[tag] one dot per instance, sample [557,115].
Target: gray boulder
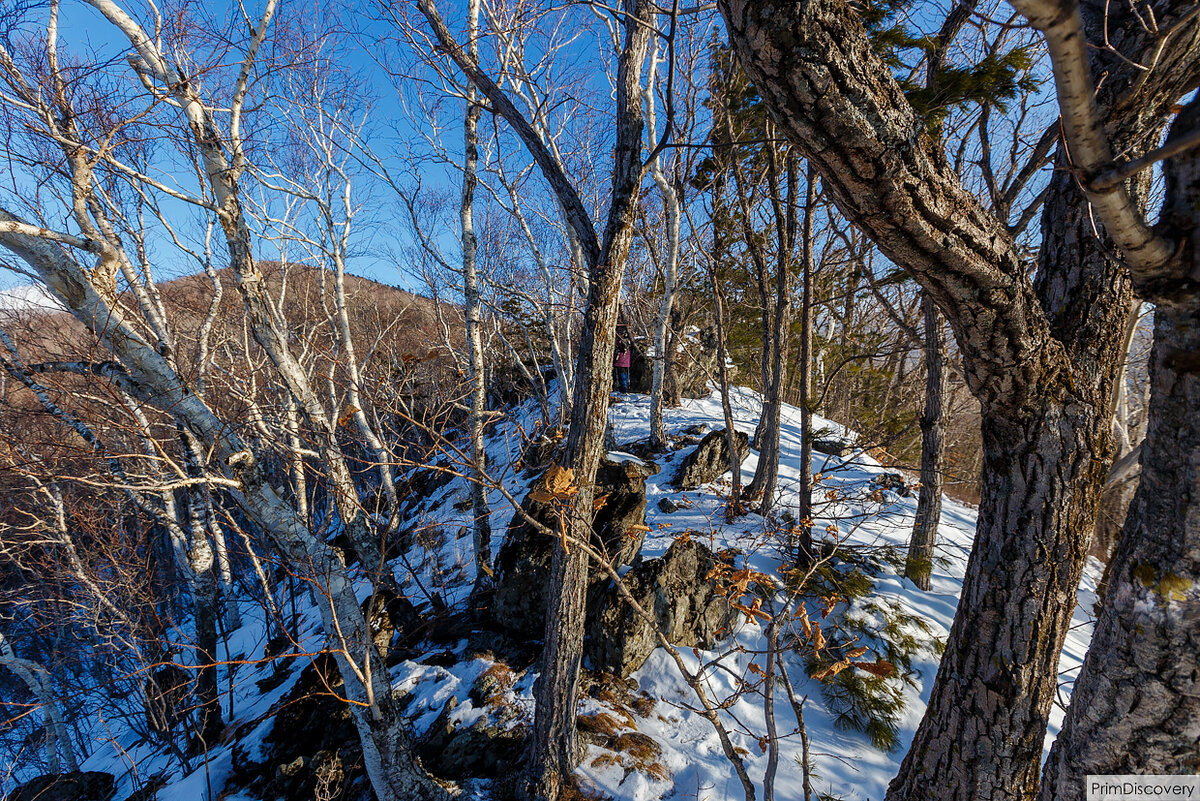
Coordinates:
[832,443]
[893,482]
[493,744]
[522,570]
[710,459]
[676,590]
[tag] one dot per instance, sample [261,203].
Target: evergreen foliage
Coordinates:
[861,700]
[995,79]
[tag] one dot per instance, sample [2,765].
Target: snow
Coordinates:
[847,765]
[28,298]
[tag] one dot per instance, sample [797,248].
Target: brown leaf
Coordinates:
[881,668]
[347,415]
[831,671]
[560,481]
[540,495]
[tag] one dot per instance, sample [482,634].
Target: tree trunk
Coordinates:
[933,449]
[804,510]
[997,678]
[671,197]
[392,768]
[554,746]
[735,460]
[1041,356]
[766,476]
[37,679]
[1135,708]
[481,527]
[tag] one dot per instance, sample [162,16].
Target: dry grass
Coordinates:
[572,791]
[502,679]
[603,725]
[641,747]
[605,760]
[643,705]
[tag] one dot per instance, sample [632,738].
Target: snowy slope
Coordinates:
[847,765]
[28,298]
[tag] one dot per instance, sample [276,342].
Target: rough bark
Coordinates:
[555,748]
[1041,357]
[933,449]
[1136,704]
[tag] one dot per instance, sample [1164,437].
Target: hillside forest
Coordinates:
[408,400]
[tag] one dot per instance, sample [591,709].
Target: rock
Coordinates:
[668,505]
[675,588]
[388,614]
[492,745]
[537,454]
[695,362]
[522,569]
[709,460]
[893,482]
[832,444]
[77,786]
[313,740]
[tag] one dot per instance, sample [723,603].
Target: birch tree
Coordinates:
[79,269]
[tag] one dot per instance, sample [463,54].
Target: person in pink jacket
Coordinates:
[621,362]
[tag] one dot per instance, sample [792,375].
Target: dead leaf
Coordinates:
[347,415]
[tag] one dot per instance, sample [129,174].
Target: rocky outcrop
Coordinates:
[695,363]
[677,591]
[389,614]
[894,482]
[523,564]
[312,743]
[492,745]
[77,786]
[709,460]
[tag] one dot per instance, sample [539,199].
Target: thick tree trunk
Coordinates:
[1041,357]
[554,747]
[481,527]
[933,449]
[1135,708]
[997,679]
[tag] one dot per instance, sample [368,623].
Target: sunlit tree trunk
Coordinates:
[933,449]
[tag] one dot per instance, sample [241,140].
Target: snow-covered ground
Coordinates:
[31,297]
[847,765]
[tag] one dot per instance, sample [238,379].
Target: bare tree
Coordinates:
[554,743]
[149,376]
